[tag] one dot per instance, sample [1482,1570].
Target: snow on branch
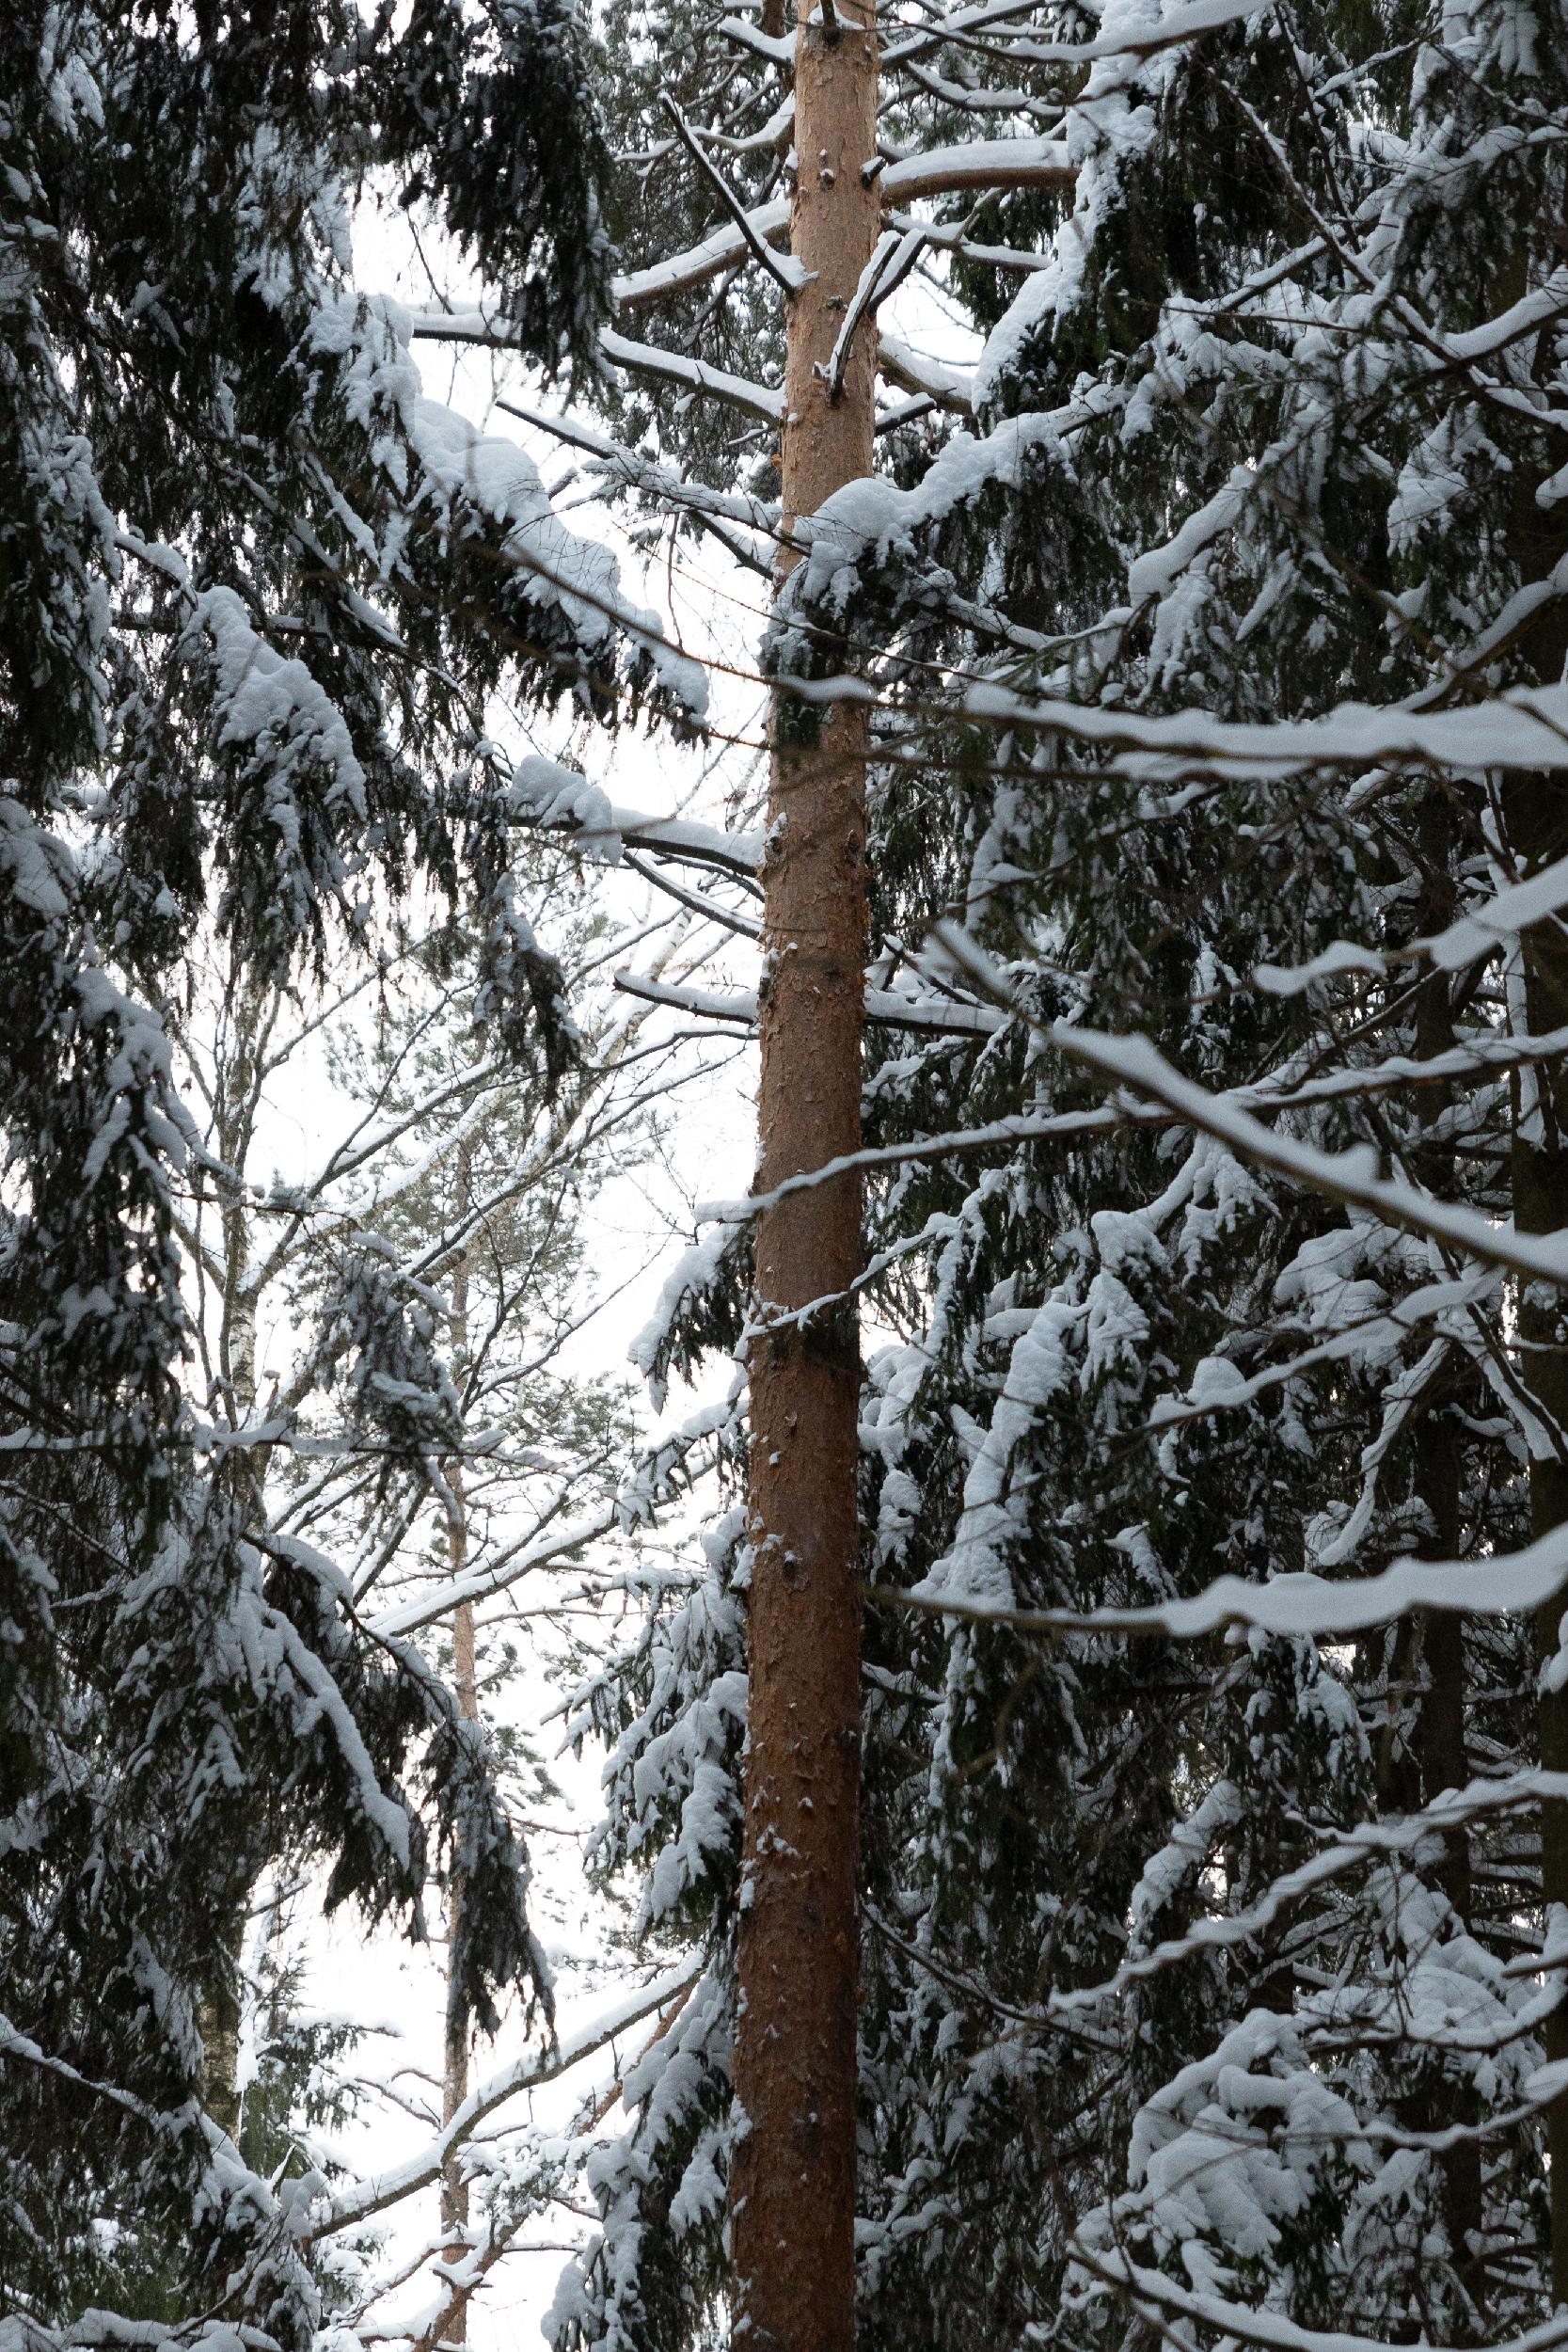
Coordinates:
[651,1480]
[1296,1603]
[1350,1176]
[374,2195]
[678,367]
[785,271]
[1270,2331]
[936,1013]
[614,459]
[1526,728]
[1175,27]
[1367,1842]
[558,799]
[983,165]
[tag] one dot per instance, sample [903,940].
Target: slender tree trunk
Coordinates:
[220,2009]
[454,2083]
[1441,1729]
[792,2205]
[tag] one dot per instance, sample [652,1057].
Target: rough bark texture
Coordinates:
[793,2187]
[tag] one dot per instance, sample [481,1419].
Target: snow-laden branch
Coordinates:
[1270,2331]
[484,1583]
[695,375]
[1294,1604]
[774,48]
[640,472]
[952,388]
[785,271]
[936,1013]
[894,255]
[1523,729]
[1169,31]
[632,1503]
[1350,1177]
[1366,1842]
[1497,1054]
[552,798]
[978,164]
[526,2073]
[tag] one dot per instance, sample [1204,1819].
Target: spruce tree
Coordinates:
[258,589]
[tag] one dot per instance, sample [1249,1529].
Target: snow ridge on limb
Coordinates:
[383,2190]
[553,798]
[1349,1176]
[982,165]
[1291,1604]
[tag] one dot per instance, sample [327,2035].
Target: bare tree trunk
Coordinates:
[792,2199]
[1441,1729]
[454,2083]
[220,2008]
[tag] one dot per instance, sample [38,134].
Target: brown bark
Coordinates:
[792,2206]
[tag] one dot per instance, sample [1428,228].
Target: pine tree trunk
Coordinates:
[792,2205]
[454,2082]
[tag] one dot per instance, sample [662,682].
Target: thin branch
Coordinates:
[785,271]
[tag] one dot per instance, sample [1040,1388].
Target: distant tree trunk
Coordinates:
[1440,1730]
[454,2086]
[792,2202]
[220,2012]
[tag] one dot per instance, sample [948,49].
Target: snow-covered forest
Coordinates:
[783,1255]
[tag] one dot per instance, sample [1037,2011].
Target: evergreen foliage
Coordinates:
[1216,1384]
[1188,2005]
[257,589]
